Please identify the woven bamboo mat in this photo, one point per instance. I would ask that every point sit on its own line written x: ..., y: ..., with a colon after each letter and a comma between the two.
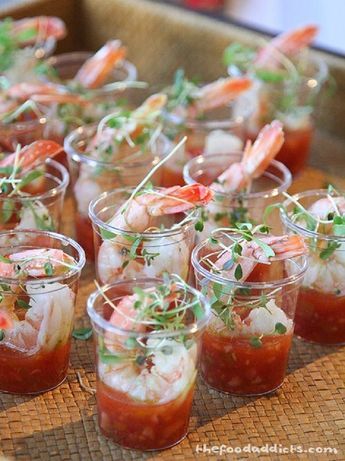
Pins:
x: 308, y: 411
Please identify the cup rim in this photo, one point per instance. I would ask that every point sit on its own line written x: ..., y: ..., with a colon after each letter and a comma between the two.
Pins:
x: 80, y: 157
x: 300, y: 229
x: 18, y: 125
x: 147, y: 235
x: 252, y: 285
x: 65, y: 241
x: 96, y: 318
x: 287, y: 177
x: 53, y: 192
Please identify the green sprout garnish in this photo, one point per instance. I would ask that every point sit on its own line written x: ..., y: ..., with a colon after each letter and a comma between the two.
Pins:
x: 163, y: 308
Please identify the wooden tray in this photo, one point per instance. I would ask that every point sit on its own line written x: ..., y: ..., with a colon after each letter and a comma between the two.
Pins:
x: 307, y: 412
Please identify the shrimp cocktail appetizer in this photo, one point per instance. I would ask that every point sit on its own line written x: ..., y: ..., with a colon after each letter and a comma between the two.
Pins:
x: 39, y: 274
x: 97, y: 81
x: 117, y: 153
x: 251, y: 279
x: 146, y: 232
x: 32, y: 187
x: 209, y: 115
x: 319, y: 216
x: 244, y: 184
x: 287, y: 83
x: 147, y: 334
x: 23, y: 45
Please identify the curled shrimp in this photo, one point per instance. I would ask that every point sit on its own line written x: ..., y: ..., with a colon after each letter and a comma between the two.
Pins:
x: 95, y: 71
x: 32, y: 155
x: 44, y: 27
x: 219, y: 93
x: 171, y: 253
x: 167, y: 367
x: 256, y: 159
x: 289, y: 44
x: 32, y: 263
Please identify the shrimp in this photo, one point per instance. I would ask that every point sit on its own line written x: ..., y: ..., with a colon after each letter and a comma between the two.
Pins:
x: 326, y: 274
x: 284, y: 247
x: 40, y: 27
x: 263, y: 320
x: 47, y: 322
x: 219, y: 93
x: 32, y: 155
x: 139, y: 216
x: 256, y: 159
x: 167, y: 376
x: 289, y: 44
x: 326, y: 208
x: 127, y: 317
x: 167, y: 368
x: 32, y: 263
x: 24, y: 90
x: 108, y: 141
x: 248, y: 316
x: 94, y: 71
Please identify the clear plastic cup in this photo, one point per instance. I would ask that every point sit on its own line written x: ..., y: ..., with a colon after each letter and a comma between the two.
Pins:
x: 220, y: 131
x: 90, y: 177
x: 21, y: 132
x: 246, y: 345
x: 227, y: 209
x: 320, y: 312
x: 41, y: 206
x: 124, y: 254
x: 35, y: 350
x: 293, y: 102
x: 145, y: 380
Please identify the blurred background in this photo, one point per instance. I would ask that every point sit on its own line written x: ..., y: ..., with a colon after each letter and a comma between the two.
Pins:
x: 273, y: 16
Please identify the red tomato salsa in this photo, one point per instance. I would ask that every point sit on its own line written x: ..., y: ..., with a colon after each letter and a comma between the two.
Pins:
x: 22, y: 373
x: 142, y: 425
x: 244, y: 366
x: 320, y: 317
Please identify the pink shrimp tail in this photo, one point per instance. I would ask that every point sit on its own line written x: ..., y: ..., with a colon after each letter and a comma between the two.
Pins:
x: 185, y: 198
x: 288, y: 43
x: 24, y: 91
x: 60, y: 99
x: 288, y: 246
x: 221, y: 92
x: 44, y: 26
x: 284, y: 247
x: 256, y: 158
x: 95, y: 71
x: 33, y: 154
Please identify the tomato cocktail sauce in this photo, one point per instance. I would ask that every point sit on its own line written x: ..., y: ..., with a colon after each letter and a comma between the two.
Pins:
x: 320, y: 317
x: 143, y: 425
x: 239, y: 366
x: 84, y: 233
x: 31, y: 373
x: 295, y: 150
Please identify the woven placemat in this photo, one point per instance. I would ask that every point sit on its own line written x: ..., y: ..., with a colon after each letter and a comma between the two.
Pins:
x: 307, y: 412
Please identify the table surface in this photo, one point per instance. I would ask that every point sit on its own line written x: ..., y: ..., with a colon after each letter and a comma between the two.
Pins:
x: 308, y: 411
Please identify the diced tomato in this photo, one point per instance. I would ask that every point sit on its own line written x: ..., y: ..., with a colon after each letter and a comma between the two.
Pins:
x: 22, y: 373
x: 244, y: 366
x: 140, y: 425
